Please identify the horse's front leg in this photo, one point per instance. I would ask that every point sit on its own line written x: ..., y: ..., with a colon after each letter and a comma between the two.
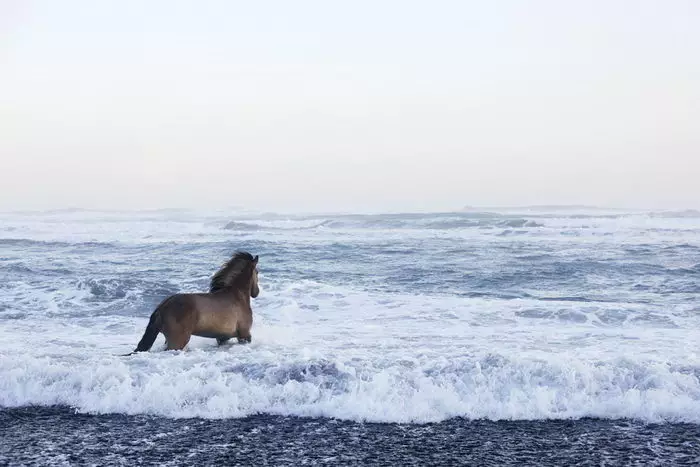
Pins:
x: 225, y: 337
x: 244, y: 336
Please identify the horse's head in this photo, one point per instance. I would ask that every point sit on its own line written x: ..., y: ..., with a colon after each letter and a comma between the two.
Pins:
x: 254, y: 289
x: 240, y: 273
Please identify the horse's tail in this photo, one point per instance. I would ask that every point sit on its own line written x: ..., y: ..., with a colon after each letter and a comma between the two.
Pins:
x: 152, y: 330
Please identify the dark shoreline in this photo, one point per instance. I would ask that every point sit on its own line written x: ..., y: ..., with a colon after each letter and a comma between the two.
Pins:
x: 58, y: 435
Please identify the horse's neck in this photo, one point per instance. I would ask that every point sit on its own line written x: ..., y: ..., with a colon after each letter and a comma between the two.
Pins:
x: 236, y: 294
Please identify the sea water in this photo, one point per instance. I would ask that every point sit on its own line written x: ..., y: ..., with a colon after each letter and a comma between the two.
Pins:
x: 532, y: 315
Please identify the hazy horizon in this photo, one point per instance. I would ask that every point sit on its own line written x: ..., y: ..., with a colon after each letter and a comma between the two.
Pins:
x: 241, y: 210
x: 317, y: 106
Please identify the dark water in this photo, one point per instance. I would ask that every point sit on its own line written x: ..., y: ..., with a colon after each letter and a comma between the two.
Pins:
x: 58, y: 436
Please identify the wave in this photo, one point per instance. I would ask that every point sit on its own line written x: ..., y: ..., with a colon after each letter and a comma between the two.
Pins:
x: 583, y: 212
x: 242, y: 226
x: 436, y: 223
x: 109, y: 289
x: 383, y: 222
x: 682, y: 214
x: 296, y: 224
x: 213, y: 385
x: 28, y: 243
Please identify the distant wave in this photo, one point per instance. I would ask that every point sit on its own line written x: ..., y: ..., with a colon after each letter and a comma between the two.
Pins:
x: 547, y: 209
x: 683, y: 214
x: 242, y: 226
x: 25, y: 242
x: 388, y: 222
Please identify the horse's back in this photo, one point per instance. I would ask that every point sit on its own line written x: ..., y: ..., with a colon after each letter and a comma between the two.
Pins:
x: 178, y: 309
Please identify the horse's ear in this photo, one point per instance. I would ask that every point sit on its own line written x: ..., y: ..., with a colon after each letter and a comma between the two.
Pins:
x: 255, y: 260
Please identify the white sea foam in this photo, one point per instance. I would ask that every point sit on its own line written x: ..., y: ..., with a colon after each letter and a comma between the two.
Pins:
x: 481, y: 359
x: 242, y: 381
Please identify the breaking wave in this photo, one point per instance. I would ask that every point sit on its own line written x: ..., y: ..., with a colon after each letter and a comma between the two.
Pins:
x: 211, y: 384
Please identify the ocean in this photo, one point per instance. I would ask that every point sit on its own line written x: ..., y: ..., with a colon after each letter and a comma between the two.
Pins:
x: 543, y: 336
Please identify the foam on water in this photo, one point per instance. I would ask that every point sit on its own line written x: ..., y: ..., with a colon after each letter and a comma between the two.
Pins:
x: 419, y: 386
x: 356, y: 322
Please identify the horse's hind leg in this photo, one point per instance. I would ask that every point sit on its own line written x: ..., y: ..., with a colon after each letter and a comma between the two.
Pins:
x: 244, y: 336
x: 177, y: 341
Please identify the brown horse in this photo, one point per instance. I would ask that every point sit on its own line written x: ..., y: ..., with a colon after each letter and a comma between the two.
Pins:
x: 223, y: 313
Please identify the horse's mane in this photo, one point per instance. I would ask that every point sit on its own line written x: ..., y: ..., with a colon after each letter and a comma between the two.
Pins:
x: 232, y: 272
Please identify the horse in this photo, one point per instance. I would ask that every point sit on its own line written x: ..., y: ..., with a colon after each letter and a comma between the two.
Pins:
x: 223, y: 313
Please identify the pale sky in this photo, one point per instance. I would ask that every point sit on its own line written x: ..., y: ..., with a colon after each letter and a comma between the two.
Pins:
x: 356, y: 105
